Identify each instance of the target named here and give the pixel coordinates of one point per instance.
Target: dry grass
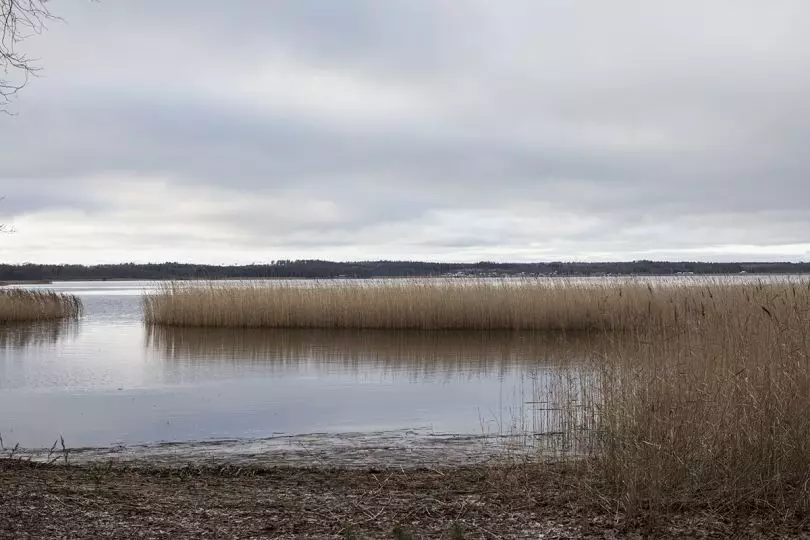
(713, 410)
(17, 305)
(419, 304)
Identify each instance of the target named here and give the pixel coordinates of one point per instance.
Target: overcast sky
(254, 130)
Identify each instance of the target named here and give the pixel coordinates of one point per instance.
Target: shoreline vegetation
(20, 305)
(698, 395)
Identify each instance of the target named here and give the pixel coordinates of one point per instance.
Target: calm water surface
(108, 380)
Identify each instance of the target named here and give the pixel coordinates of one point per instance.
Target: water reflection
(383, 351)
(110, 380)
(494, 383)
(21, 335)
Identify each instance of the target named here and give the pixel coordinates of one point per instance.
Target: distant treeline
(371, 269)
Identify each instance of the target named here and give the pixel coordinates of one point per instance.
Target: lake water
(108, 380)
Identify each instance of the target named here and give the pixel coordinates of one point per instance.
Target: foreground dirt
(524, 501)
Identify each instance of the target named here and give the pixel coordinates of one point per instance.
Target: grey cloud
(674, 128)
(206, 145)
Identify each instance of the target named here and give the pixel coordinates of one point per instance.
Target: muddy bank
(404, 485)
(468, 502)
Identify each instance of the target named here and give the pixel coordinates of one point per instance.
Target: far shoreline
(385, 269)
(6, 283)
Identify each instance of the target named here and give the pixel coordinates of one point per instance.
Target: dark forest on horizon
(376, 269)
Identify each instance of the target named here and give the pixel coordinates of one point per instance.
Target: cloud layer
(412, 129)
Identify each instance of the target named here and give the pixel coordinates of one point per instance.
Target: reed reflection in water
(35, 334)
(548, 374)
(410, 351)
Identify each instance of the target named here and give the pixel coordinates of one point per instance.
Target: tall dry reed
(417, 304)
(19, 305)
(713, 410)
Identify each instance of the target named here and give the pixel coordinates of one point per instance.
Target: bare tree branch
(20, 19)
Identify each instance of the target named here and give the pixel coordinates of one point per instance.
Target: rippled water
(108, 380)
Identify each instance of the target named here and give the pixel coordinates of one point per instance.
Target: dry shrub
(19, 305)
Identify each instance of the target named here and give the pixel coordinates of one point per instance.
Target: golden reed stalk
(18, 305)
(418, 304)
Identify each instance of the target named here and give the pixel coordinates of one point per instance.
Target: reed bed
(423, 304)
(713, 411)
(19, 305)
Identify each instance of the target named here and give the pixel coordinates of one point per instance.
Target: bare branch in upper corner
(19, 19)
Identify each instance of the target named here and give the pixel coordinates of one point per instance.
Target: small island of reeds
(446, 304)
(20, 305)
(438, 304)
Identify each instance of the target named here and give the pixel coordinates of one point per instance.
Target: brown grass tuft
(18, 305)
